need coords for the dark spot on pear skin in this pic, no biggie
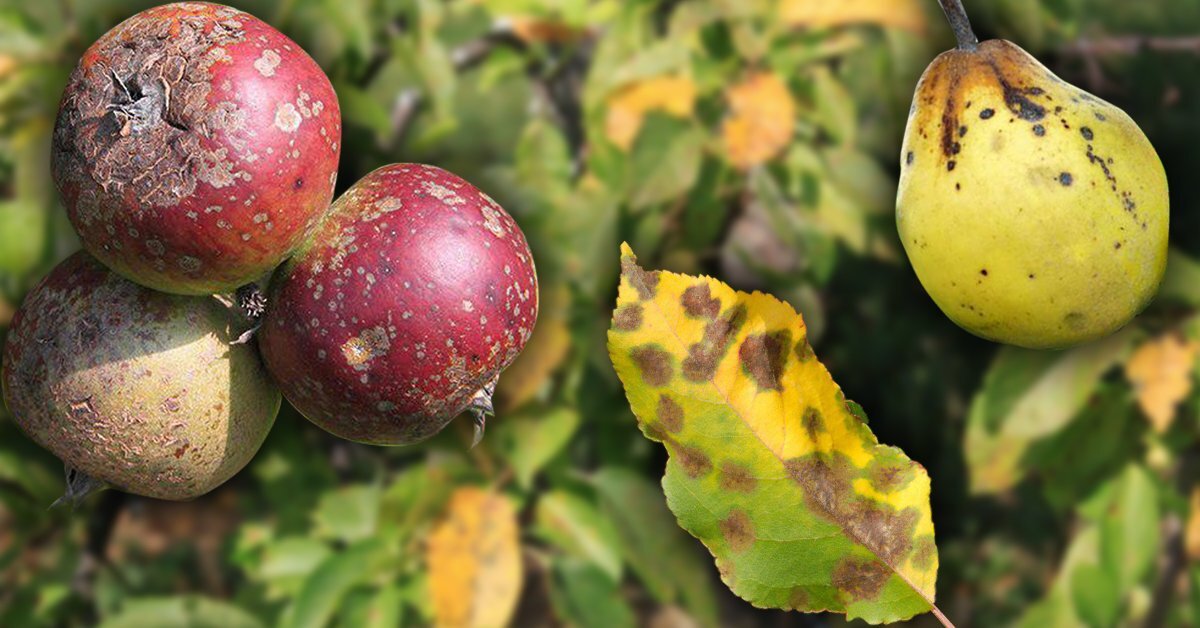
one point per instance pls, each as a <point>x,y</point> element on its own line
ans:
<point>986,114</point>
<point>908,159</point>
<point>1101,117</point>
<point>950,165</point>
<point>1032,276</point>
<point>1065,179</point>
<point>1039,130</point>
<point>1116,246</point>
<point>962,130</point>
<point>298,183</point>
<point>1017,101</point>
<point>1087,133</point>
<point>983,271</point>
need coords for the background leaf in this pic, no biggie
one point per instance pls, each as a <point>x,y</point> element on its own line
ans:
<point>474,560</point>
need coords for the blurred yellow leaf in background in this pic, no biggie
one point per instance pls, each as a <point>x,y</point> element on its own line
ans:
<point>474,560</point>
<point>1161,374</point>
<point>628,106</point>
<point>8,64</point>
<point>905,14</point>
<point>761,121</point>
<point>1191,535</point>
<point>541,30</point>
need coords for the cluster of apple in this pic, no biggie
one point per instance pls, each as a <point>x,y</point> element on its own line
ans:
<point>196,150</point>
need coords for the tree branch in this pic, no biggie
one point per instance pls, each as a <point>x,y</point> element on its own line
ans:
<point>1131,45</point>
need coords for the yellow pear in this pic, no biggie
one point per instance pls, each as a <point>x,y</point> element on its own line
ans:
<point>1034,213</point>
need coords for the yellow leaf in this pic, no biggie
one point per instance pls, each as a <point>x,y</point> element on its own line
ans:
<point>473,558</point>
<point>542,30</point>
<point>769,465</point>
<point>1161,374</point>
<point>1191,534</point>
<point>762,117</point>
<point>904,14</point>
<point>8,64</point>
<point>628,106</point>
<point>543,354</point>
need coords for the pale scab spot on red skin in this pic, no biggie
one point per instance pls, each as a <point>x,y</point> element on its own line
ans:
<point>287,118</point>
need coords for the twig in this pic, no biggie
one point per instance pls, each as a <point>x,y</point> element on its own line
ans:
<point>95,549</point>
<point>1131,45</point>
<point>409,101</point>
<point>1173,553</point>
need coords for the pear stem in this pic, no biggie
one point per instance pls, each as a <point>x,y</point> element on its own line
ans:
<point>957,16</point>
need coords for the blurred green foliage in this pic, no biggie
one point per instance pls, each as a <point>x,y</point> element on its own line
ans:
<point>1087,522</point>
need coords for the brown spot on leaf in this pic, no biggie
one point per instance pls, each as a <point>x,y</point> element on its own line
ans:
<point>694,462</point>
<point>813,422</point>
<point>803,350</point>
<point>798,599</point>
<point>645,283</point>
<point>889,478</point>
<point>827,483</point>
<point>704,356</point>
<point>699,302</point>
<point>670,413</point>
<point>763,358</point>
<point>736,477</point>
<point>738,530</point>
<point>654,364</point>
<point>628,317</point>
<point>924,554</point>
<point>860,579</point>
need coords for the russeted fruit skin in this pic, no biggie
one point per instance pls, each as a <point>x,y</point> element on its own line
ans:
<point>1034,213</point>
<point>195,147</point>
<point>134,387</point>
<point>412,296</point>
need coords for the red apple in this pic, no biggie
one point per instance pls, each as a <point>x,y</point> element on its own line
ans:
<point>195,147</point>
<point>402,310</point>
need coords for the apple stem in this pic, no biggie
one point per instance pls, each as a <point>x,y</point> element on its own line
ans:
<point>960,24</point>
<point>79,486</point>
<point>481,408</point>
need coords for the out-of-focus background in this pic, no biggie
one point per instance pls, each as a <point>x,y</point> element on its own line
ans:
<point>753,140</point>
